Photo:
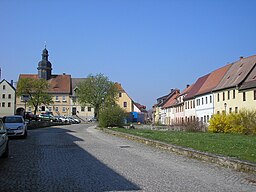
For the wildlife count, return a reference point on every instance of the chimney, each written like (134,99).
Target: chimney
(241,57)
(187,85)
(12,82)
(64,73)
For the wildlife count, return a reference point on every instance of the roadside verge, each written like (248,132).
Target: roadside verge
(220,160)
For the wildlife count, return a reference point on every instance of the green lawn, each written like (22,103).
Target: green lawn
(242,147)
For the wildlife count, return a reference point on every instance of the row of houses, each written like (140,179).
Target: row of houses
(63,92)
(225,90)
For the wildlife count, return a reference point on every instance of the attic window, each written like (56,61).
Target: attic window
(239,73)
(228,77)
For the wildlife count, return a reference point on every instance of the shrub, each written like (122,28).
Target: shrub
(112,116)
(243,122)
(218,123)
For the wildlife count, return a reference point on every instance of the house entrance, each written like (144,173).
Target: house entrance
(73,110)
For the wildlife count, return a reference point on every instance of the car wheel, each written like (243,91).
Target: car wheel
(6,152)
(25,135)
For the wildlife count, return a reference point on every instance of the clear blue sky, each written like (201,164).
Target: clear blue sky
(149,46)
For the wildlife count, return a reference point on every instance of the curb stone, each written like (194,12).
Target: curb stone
(229,162)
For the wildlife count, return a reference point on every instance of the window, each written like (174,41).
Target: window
(244,96)
(50,109)
(193,103)
(125,104)
(63,109)
(3,96)
(206,100)
(82,109)
(3,87)
(218,112)
(56,108)
(208,118)
(202,101)
(218,97)
(234,94)
(223,96)
(64,98)
(230,110)
(236,109)
(210,99)
(56,98)
(89,109)
(254,94)
(120,94)
(9,96)
(3,104)
(9,104)
(228,95)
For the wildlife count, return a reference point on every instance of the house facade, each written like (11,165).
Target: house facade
(205,98)
(228,89)
(232,94)
(7,101)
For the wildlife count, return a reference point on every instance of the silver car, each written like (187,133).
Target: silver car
(15,125)
(4,142)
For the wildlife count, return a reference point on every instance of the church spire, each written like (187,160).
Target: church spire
(44,66)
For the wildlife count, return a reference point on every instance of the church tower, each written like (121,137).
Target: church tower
(44,66)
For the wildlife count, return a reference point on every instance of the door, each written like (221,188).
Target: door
(74,111)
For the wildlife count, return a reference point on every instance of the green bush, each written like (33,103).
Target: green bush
(218,123)
(243,122)
(112,116)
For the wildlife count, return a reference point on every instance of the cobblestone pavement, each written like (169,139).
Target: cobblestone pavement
(80,158)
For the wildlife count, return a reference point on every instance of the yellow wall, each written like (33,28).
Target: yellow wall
(125,98)
(234,103)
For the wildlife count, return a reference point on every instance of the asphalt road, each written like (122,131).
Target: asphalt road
(81,158)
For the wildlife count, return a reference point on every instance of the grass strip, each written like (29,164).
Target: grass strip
(242,147)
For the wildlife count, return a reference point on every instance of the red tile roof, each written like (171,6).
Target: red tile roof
(196,87)
(237,73)
(213,80)
(58,83)
(171,100)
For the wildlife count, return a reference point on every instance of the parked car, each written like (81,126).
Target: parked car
(30,116)
(4,141)
(15,126)
(73,120)
(92,119)
(47,117)
(64,119)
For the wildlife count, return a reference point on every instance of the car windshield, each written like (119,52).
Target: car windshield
(13,120)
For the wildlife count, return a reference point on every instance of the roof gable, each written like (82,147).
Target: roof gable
(213,80)
(198,84)
(171,100)
(250,81)
(237,73)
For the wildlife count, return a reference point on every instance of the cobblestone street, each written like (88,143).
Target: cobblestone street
(80,158)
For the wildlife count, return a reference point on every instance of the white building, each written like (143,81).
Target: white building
(8,95)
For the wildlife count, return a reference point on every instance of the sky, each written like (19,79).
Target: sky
(149,46)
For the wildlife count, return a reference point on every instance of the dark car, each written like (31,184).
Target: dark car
(30,116)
